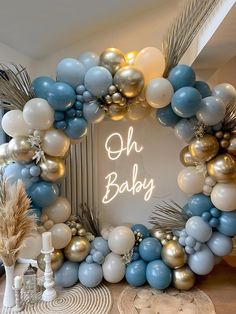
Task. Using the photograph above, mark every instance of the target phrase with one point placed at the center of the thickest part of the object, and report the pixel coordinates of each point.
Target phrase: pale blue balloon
(98, 257)
(67, 275)
(203, 88)
(202, 262)
(101, 245)
(92, 112)
(158, 274)
(220, 244)
(185, 129)
(136, 273)
(71, 71)
(89, 59)
(90, 275)
(13, 173)
(43, 193)
(97, 81)
(212, 111)
(197, 228)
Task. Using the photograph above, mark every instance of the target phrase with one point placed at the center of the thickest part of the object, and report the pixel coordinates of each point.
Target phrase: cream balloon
(59, 211)
(159, 92)
(121, 240)
(61, 235)
(31, 246)
(151, 62)
(191, 180)
(56, 143)
(38, 114)
(113, 268)
(14, 125)
(223, 196)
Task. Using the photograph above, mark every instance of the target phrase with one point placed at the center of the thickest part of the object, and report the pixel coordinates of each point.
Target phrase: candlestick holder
(19, 304)
(49, 293)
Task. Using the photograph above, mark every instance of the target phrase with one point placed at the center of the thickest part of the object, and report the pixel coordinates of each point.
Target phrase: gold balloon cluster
(162, 235)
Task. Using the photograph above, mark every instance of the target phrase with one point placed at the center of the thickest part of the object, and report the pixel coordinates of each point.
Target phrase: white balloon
(113, 268)
(159, 92)
(38, 114)
(226, 92)
(223, 196)
(31, 246)
(56, 143)
(121, 240)
(14, 124)
(191, 180)
(59, 211)
(61, 235)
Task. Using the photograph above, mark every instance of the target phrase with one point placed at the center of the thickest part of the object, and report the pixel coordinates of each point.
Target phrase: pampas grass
(15, 222)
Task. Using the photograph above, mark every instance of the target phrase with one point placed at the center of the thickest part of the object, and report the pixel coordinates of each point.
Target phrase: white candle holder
(19, 305)
(49, 293)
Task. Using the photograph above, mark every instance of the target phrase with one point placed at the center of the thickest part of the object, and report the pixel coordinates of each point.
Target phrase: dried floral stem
(89, 219)
(229, 123)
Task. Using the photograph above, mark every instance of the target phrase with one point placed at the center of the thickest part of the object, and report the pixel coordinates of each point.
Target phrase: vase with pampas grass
(15, 225)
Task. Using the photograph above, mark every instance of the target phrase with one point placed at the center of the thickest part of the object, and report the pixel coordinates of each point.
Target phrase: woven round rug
(172, 301)
(78, 299)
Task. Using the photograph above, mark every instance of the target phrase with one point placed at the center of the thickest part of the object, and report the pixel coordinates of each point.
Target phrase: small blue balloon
(97, 80)
(87, 96)
(76, 128)
(98, 257)
(61, 125)
(186, 102)
(214, 222)
(80, 98)
(35, 171)
(142, 229)
(25, 172)
(167, 117)
(135, 256)
(199, 203)
(92, 112)
(67, 275)
(43, 193)
(182, 75)
(186, 210)
(70, 113)
(80, 89)
(61, 96)
(227, 223)
(13, 173)
(185, 129)
(215, 212)
(203, 88)
(101, 245)
(220, 244)
(202, 261)
(89, 259)
(89, 59)
(150, 249)
(158, 274)
(136, 273)
(79, 113)
(59, 116)
(90, 275)
(206, 216)
(41, 86)
(78, 105)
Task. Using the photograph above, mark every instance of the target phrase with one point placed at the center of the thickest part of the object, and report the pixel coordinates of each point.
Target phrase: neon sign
(113, 188)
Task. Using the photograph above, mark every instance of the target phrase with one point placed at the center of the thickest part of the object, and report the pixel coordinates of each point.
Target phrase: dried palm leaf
(184, 29)
(90, 219)
(15, 86)
(229, 123)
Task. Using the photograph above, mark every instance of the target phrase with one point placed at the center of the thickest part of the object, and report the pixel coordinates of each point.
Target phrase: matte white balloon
(56, 143)
(61, 235)
(212, 111)
(202, 262)
(223, 196)
(31, 246)
(59, 211)
(159, 92)
(113, 268)
(220, 244)
(225, 92)
(14, 125)
(121, 240)
(191, 180)
(38, 114)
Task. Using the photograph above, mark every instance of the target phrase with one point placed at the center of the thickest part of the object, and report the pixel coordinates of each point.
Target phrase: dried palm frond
(90, 219)
(184, 29)
(15, 86)
(15, 222)
(168, 217)
(229, 123)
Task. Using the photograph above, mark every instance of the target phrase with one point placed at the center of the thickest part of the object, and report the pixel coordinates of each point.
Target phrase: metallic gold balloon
(57, 260)
(129, 81)
(4, 157)
(158, 233)
(183, 278)
(116, 113)
(232, 145)
(52, 169)
(186, 158)
(137, 111)
(222, 168)
(77, 249)
(112, 59)
(130, 57)
(19, 149)
(173, 254)
(204, 148)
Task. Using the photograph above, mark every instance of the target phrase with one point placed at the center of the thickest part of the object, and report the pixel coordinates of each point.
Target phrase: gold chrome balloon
(19, 149)
(57, 259)
(115, 112)
(4, 157)
(186, 158)
(130, 57)
(183, 278)
(112, 59)
(204, 148)
(129, 81)
(138, 110)
(173, 254)
(157, 233)
(222, 168)
(52, 169)
(77, 249)
(232, 145)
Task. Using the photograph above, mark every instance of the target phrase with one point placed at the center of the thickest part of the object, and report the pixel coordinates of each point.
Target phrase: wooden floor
(220, 286)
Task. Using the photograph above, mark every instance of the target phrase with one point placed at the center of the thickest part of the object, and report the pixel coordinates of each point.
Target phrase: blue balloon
(93, 112)
(89, 59)
(101, 245)
(13, 173)
(150, 249)
(98, 257)
(158, 274)
(136, 273)
(198, 204)
(202, 262)
(76, 128)
(61, 96)
(182, 75)
(186, 210)
(185, 129)
(70, 113)
(88, 96)
(90, 275)
(70, 71)
(43, 193)
(59, 116)
(227, 223)
(197, 228)
(35, 171)
(167, 117)
(203, 88)
(67, 275)
(186, 102)
(61, 125)
(142, 229)
(220, 244)
(97, 81)
(41, 86)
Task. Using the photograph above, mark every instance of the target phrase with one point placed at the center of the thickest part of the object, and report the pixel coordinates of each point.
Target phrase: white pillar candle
(47, 241)
(18, 282)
